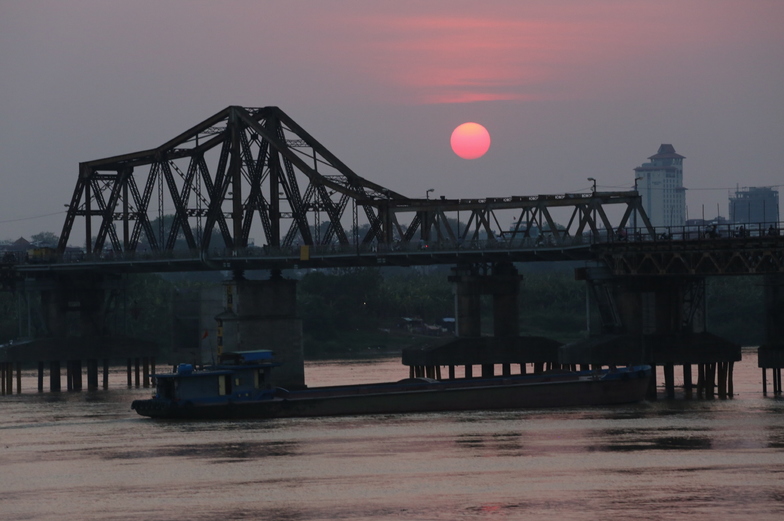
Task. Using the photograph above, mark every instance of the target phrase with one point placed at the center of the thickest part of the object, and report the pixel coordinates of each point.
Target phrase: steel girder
(248, 173)
(702, 257)
(581, 216)
(239, 167)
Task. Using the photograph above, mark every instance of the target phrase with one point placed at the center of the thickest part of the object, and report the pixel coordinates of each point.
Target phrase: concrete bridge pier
(771, 353)
(658, 321)
(262, 314)
(7, 377)
(471, 348)
(75, 321)
(503, 284)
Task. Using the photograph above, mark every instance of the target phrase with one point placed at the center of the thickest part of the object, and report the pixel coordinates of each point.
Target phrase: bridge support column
(658, 321)
(468, 297)
(145, 371)
(264, 316)
(92, 374)
(771, 353)
(54, 375)
(503, 284)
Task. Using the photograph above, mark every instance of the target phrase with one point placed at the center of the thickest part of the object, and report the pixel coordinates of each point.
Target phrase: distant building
(755, 205)
(660, 184)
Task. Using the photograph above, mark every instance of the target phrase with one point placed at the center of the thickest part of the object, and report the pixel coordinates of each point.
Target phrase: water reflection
(219, 452)
(496, 444)
(775, 437)
(642, 439)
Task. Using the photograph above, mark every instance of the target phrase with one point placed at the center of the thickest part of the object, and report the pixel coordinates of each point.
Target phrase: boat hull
(498, 393)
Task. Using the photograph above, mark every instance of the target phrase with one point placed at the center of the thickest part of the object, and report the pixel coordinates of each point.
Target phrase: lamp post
(635, 209)
(427, 194)
(593, 190)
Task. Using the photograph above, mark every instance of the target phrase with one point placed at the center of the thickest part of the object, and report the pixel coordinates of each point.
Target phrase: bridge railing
(500, 242)
(693, 232)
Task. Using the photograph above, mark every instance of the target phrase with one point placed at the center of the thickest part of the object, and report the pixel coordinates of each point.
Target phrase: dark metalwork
(238, 164)
(695, 256)
(246, 173)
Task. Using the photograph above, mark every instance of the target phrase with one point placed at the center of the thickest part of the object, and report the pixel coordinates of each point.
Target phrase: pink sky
(567, 89)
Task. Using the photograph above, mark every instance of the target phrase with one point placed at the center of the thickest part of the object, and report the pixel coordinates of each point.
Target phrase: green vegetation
(736, 309)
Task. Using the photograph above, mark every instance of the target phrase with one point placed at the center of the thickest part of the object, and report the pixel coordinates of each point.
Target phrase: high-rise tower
(660, 184)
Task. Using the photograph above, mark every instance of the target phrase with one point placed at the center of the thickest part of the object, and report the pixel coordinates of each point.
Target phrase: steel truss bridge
(249, 188)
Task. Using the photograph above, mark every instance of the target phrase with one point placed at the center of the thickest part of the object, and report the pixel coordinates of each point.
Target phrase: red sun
(470, 140)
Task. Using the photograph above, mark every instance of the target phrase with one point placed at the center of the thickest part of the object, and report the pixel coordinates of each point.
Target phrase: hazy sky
(567, 89)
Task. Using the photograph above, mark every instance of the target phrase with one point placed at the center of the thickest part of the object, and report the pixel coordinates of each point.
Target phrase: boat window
(258, 379)
(224, 385)
(166, 388)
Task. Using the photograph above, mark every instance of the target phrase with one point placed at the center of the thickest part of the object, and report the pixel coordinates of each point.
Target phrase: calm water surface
(87, 456)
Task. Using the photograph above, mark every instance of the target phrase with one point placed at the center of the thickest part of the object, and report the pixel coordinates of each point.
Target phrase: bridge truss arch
(253, 176)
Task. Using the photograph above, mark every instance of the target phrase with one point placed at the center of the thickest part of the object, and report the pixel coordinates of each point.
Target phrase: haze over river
(88, 456)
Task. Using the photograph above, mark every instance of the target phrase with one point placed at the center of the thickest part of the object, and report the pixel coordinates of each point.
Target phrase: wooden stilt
(652, 393)
(92, 374)
(40, 377)
(54, 375)
(2, 378)
(711, 381)
(105, 373)
(145, 371)
(538, 367)
(136, 379)
(77, 375)
(451, 372)
(722, 384)
(438, 372)
(469, 371)
(506, 369)
(130, 372)
(522, 368)
(700, 380)
(669, 380)
(730, 384)
(687, 381)
(764, 382)
(19, 378)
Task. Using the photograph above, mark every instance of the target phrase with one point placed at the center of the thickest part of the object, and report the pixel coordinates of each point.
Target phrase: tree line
(344, 308)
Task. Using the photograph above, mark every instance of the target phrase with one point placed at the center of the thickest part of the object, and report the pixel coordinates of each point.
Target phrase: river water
(87, 456)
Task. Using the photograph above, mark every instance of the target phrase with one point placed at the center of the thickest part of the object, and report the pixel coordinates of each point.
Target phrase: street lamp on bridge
(593, 190)
(427, 194)
(635, 209)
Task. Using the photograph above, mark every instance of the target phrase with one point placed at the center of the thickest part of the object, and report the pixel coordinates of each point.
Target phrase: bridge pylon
(771, 353)
(70, 320)
(658, 321)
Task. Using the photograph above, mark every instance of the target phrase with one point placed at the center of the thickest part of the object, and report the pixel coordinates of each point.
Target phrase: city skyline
(568, 90)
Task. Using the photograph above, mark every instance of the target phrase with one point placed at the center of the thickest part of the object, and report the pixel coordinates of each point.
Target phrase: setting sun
(470, 140)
